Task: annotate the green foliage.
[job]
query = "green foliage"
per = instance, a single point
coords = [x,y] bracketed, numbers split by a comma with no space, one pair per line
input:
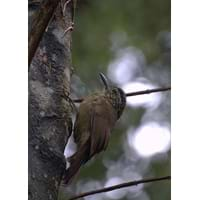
[95,22]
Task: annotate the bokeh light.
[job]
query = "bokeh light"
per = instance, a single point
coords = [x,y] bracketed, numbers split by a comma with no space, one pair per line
[115,194]
[150,139]
[70,148]
[150,101]
[126,65]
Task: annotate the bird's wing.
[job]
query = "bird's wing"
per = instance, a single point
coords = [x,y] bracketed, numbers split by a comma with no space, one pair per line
[100,130]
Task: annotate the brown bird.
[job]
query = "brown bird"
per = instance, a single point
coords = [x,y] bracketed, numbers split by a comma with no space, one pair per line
[95,119]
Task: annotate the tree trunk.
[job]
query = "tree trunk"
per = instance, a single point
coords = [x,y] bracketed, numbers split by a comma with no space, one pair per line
[49,113]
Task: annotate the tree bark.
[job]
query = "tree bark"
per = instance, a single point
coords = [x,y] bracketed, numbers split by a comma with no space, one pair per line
[49,113]
[39,23]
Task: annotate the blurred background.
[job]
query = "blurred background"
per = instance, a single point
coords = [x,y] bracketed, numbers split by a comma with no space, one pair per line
[130,42]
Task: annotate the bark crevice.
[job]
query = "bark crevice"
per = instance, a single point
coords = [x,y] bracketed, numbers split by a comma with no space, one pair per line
[50,122]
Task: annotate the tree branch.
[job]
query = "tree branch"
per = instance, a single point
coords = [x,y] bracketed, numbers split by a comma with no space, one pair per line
[136,93]
[40,22]
[119,186]
[148,91]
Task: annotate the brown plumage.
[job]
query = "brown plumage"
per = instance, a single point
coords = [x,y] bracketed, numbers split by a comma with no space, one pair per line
[95,119]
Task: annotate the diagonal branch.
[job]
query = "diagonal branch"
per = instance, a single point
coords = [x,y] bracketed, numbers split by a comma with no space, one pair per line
[136,93]
[40,22]
[148,91]
[119,186]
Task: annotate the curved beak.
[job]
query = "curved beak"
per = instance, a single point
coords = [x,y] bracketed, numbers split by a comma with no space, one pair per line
[104,80]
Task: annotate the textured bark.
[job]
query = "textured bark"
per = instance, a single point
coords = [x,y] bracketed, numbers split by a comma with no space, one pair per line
[40,22]
[49,112]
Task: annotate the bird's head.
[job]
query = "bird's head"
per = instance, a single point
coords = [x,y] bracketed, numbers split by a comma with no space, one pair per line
[116,95]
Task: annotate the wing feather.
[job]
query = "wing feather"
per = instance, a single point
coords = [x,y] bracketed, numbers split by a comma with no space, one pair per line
[101,125]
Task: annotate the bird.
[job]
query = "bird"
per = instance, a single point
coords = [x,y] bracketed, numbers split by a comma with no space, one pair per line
[94,122]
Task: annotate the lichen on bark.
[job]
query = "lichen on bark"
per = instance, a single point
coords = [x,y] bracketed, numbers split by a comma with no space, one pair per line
[49,113]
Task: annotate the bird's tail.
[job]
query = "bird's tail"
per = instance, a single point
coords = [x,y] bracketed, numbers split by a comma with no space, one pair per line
[76,160]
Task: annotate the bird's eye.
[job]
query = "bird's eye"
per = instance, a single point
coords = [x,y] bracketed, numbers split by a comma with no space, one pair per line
[114,91]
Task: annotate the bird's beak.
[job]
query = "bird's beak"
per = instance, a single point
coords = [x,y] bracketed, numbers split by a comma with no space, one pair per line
[104,80]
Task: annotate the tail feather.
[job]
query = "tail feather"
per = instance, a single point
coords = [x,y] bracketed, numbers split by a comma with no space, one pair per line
[76,160]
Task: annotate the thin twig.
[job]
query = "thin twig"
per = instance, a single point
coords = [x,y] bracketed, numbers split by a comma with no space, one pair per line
[119,186]
[40,22]
[65,5]
[70,28]
[136,93]
[148,91]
